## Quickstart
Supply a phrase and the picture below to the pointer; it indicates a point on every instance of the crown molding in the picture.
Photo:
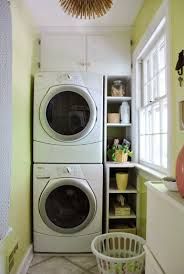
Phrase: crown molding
(84, 30)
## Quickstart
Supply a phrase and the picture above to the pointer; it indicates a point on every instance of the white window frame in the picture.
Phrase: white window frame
(151, 102)
(154, 30)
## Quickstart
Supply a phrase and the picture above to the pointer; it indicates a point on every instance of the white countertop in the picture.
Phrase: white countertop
(171, 196)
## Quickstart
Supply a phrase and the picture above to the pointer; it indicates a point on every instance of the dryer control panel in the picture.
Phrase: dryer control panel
(69, 78)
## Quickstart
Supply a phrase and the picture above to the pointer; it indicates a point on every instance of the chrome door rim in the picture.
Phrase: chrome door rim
(82, 91)
(83, 186)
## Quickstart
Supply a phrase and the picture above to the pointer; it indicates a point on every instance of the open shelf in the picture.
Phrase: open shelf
(131, 230)
(118, 99)
(121, 165)
(113, 189)
(118, 125)
(122, 225)
(126, 82)
(113, 216)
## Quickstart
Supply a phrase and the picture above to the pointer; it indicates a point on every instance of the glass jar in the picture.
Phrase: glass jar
(118, 88)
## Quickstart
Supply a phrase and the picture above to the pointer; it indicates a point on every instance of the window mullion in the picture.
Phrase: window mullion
(151, 135)
(161, 152)
(142, 68)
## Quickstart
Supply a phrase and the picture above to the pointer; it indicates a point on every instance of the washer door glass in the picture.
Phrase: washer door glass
(68, 113)
(68, 206)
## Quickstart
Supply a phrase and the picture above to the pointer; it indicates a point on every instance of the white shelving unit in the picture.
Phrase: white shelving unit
(112, 104)
(122, 165)
(130, 189)
(120, 131)
(117, 99)
(130, 195)
(113, 216)
(118, 125)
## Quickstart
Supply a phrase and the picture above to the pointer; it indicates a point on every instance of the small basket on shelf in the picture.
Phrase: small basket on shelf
(113, 118)
(119, 153)
(120, 156)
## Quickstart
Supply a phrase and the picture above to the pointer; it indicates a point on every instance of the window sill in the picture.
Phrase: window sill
(149, 173)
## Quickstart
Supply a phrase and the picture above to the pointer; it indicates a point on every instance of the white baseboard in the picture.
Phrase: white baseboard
(3, 243)
(23, 268)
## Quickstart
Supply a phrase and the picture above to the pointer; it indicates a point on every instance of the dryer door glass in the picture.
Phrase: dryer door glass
(68, 113)
(67, 206)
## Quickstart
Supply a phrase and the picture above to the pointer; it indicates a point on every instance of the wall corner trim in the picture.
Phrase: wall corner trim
(24, 266)
(159, 15)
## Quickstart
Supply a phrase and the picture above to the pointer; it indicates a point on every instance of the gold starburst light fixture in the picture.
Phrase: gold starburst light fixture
(86, 8)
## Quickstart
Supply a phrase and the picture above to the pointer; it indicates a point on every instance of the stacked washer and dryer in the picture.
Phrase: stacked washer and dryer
(67, 155)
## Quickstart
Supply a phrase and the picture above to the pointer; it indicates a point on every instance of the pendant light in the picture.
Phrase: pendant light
(86, 8)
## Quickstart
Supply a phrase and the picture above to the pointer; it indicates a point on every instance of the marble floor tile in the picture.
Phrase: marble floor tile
(56, 265)
(85, 262)
(94, 270)
(39, 259)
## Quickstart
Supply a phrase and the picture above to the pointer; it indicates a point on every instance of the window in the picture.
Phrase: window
(153, 105)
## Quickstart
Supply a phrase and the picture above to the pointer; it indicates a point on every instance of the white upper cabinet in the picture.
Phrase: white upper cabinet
(63, 52)
(107, 53)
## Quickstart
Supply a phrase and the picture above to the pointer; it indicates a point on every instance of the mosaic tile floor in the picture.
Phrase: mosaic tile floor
(63, 265)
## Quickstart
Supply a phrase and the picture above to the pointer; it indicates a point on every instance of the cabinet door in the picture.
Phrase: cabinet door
(152, 266)
(109, 53)
(62, 52)
(165, 226)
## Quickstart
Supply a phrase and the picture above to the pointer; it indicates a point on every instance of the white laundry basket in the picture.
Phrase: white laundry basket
(119, 253)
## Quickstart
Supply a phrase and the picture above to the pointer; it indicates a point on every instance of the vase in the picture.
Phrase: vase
(121, 180)
(180, 172)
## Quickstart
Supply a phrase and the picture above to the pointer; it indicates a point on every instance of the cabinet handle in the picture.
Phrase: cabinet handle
(82, 64)
(85, 64)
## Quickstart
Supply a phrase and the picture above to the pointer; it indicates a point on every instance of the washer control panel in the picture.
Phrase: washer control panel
(46, 171)
(42, 172)
(68, 171)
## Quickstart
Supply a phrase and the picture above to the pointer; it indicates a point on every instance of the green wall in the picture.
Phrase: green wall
(20, 206)
(142, 198)
(141, 23)
(176, 40)
(177, 92)
(143, 19)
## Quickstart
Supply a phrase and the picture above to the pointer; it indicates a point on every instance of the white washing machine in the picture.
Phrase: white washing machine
(68, 118)
(67, 207)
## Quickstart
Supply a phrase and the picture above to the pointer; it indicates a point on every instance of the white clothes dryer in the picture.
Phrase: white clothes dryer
(68, 118)
(67, 207)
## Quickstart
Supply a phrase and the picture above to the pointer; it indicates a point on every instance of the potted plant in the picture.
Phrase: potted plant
(119, 152)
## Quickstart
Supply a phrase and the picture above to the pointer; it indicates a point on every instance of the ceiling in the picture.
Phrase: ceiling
(48, 13)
